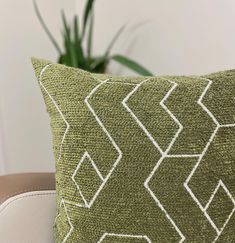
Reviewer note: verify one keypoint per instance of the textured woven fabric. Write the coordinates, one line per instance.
(147, 159)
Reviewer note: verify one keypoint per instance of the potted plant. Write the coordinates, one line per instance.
(76, 54)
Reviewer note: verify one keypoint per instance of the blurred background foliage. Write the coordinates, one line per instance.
(77, 53)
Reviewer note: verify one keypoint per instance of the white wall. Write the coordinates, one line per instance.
(168, 37)
(175, 37)
(24, 123)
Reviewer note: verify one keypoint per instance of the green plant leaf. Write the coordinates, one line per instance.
(46, 29)
(88, 10)
(131, 65)
(71, 54)
(90, 36)
(76, 31)
(74, 59)
(115, 38)
(64, 59)
(76, 42)
(99, 64)
(66, 56)
(66, 26)
(81, 61)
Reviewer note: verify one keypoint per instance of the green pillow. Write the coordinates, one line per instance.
(145, 159)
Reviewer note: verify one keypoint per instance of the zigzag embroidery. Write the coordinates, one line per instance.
(124, 236)
(104, 180)
(221, 184)
(58, 109)
(86, 154)
(62, 204)
(203, 209)
(200, 156)
(163, 154)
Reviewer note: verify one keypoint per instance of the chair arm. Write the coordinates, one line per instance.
(15, 184)
(27, 207)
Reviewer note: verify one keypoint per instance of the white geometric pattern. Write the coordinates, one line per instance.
(164, 154)
(104, 179)
(144, 237)
(62, 202)
(86, 156)
(58, 109)
(71, 228)
(220, 183)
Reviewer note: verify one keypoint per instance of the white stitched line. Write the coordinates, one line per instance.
(163, 154)
(57, 107)
(227, 125)
(136, 118)
(88, 205)
(220, 184)
(69, 220)
(171, 115)
(113, 82)
(124, 236)
(212, 195)
(203, 209)
(202, 155)
(231, 214)
(86, 155)
(182, 155)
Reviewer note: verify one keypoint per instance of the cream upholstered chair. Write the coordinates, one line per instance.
(27, 208)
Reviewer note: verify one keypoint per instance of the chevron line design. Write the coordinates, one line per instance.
(58, 109)
(163, 154)
(69, 220)
(203, 209)
(124, 236)
(232, 212)
(86, 155)
(86, 204)
(124, 102)
(63, 204)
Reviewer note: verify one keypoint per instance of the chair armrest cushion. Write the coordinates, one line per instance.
(27, 208)
(12, 185)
